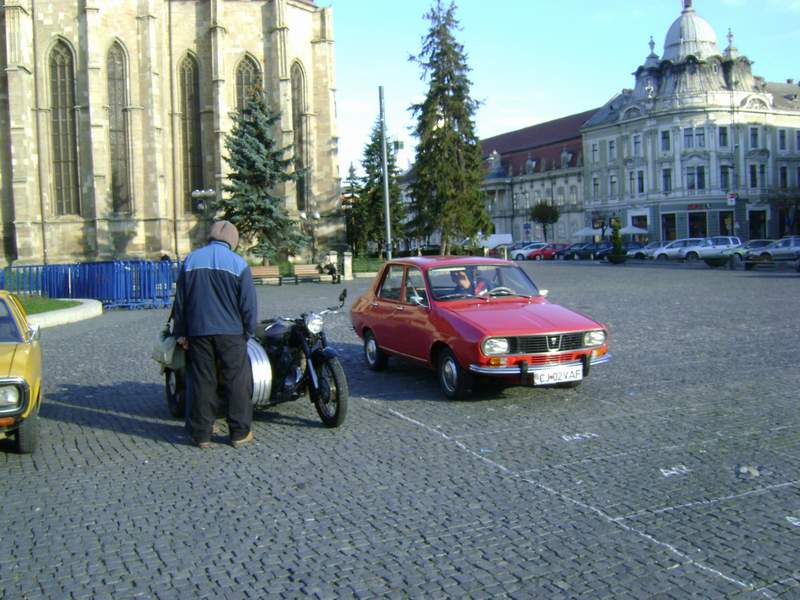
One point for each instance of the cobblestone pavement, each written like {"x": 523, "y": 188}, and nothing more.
{"x": 672, "y": 472}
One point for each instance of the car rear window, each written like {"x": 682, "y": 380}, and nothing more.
{"x": 9, "y": 332}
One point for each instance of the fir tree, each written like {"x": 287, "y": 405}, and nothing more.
{"x": 372, "y": 209}
{"x": 449, "y": 165}
{"x": 353, "y": 220}
{"x": 257, "y": 167}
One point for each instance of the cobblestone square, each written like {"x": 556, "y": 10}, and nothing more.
{"x": 672, "y": 472}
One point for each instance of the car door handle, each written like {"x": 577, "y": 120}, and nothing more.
{"x": 373, "y": 304}
{"x": 398, "y": 307}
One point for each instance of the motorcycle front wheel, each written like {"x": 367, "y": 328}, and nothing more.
{"x": 331, "y": 401}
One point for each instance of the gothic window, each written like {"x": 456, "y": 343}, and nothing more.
{"x": 190, "y": 131}
{"x": 248, "y": 77}
{"x": 118, "y": 130}
{"x": 298, "y": 125}
{"x": 64, "y": 131}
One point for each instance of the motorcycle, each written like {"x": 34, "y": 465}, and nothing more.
{"x": 289, "y": 359}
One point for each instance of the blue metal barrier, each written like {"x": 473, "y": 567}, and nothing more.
{"x": 117, "y": 284}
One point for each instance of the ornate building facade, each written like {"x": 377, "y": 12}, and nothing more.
{"x": 112, "y": 112}
{"x": 700, "y": 146}
{"x": 542, "y": 163}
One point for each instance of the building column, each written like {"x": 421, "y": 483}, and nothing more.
{"x": 219, "y": 106}
{"x": 21, "y": 203}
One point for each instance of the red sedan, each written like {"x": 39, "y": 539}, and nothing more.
{"x": 547, "y": 252}
{"x": 468, "y": 317}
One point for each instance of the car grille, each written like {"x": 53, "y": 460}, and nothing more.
{"x": 537, "y": 344}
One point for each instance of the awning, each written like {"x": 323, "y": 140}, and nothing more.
{"x": 633, "y": 230}
{"x": 586, "y": 231}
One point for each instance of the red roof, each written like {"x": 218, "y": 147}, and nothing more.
{"x": 535, "y": 136}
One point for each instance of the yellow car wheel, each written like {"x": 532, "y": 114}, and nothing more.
{"x": 28, "y": 434}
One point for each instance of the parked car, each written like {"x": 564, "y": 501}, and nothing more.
{"x": 590, "y": 251}
{"x": 475, "y": 317}
{"x": 786, "y": 249}
{"x": 672, "y": 250}
{"x": 547, "y": 252}
{"x": 710, "y": 247}
{"x": 20, "y": 375}
{"x": 646, "y": 251}
{"x": 738, "y": 252}
{"x": 603, "y": 253}
{"x": 569, "y": 252}
{"x": 522, "y": 253}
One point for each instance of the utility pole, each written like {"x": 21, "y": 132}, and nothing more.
{"x": 387, "y": 214}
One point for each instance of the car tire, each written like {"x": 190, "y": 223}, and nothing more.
{"x": 738, "y": 260}
{"x": 27, "y": 434}
{"x": 692, "y": 256}
{"x": 175, "y": 393}
{"x": 576, "y": 257}
{"x": 663, "y": 257}
{"x": 538, "y": 257}
{"x": 518, "y": 257}
{"x": 375, "y": 358}
{"x": 638, "y": 255}
{"x": 454, "y": 381}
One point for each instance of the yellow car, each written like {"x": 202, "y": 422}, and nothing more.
{"x": 20, "y": 375}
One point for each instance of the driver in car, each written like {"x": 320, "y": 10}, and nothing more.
{"x": 464, "y": 285}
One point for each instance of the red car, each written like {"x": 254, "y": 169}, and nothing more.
{"x": 546, "y": 252}
{"x": 470, "y": 317}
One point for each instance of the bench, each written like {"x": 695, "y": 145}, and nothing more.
{"x": 306, "y": 273}
{"x": 262, "y": 274}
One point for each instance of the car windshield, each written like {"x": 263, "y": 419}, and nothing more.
{"x": 465, "y": 281}
{"x": 9, "y": 332}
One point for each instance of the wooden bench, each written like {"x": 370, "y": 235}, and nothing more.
{"x": 263, "y": 274}
{"x": 307, "y": 273}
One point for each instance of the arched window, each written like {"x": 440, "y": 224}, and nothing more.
{"x": 64, "y": 131}
{"x": 248, "y": 77}
{"x": 190, "y": 131}
{"x": 118, "y": 130}
{"x": 298, "y": 125}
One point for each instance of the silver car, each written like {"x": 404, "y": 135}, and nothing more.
{"x": 648, "y": 251}
{"x": 672, "y": 251}
{"x": 783, "y": 250}
{"x": 713, "y": 246}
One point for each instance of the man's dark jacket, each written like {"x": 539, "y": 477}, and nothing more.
{"x": 215, "y": 294}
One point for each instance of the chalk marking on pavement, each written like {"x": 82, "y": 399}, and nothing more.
{"x": 676, "y": 470}
{"x": 584, "y": 505}
{"x": 578, "y": 437}
{"x": 649, "y": 511}
{"x": 794, "y": 521}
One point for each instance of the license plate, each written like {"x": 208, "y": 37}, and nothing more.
{"x": 559, "y": 374}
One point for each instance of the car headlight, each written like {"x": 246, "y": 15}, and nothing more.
{"x": 493, "y": 346}
{"x": 9, "y": 396}
{"x": 314, "y": 323}
{"x": 594, "y": 338}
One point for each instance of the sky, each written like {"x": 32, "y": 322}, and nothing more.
{"x": 531, "y": 60}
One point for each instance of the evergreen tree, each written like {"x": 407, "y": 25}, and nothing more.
{"x": 373, "y": 209}
{"x": 449, "y": 165}
{"x": 545, "y": 214}
{"x": 257, "y": 168}
{"x": 355, "y": 235}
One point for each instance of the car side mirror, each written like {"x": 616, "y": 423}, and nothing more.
{"x": 543, "y": 293}
{"x": 419, "y": 301}
{"x": 34, "y": 332}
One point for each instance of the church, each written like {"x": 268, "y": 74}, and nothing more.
{"x": 113, "y": 116}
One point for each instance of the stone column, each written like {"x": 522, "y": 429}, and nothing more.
{"x": 21, "y": 201}
{"x": 347, "y": 270}
{"x": 281, "y": 94}
{"x": 219, "y": 106}
{"x": 151, "y": 204}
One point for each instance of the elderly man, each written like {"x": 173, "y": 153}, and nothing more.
{"x": 214, "y": 314}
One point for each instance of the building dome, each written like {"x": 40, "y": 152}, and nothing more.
{"x": 690, "y": 35}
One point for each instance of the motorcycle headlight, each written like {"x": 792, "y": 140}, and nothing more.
{"x": 314, "y": 323}
{"x": 9, "y": 396}
{"x": 493, "y": 346}
{"x": 594, "y": 338}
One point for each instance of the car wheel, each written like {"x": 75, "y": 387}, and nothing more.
{"x": 518, "y": 257}
{"x": 638, "y": 255}
{"x": 663, "y": 257}
{"x": 175, "y": 393}
{"x": 538, "y": 257}
{"x": 375, "y": 358}
{"x": 692, "y": 256}
{"x": 27, "y": 435}
{"x": 576, "y": 257}
{"x": 454, "y": 381}
{"x": 737, "y": 260}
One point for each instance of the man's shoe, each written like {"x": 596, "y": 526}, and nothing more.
{"x": 202, "y": 444}
{"x": 242, "y": 441}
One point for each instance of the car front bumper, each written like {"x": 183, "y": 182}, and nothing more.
{"x": 528, "y": 369}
